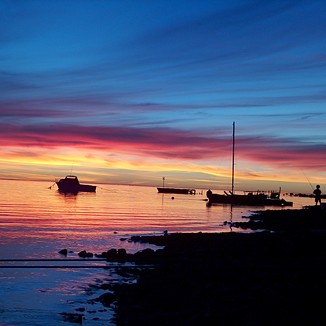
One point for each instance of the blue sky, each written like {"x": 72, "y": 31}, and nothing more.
{"x": 130, "y": 91}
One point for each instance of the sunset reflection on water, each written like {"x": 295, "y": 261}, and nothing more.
{"x": 32, "y": 215}
{"x": 37, "y": 222}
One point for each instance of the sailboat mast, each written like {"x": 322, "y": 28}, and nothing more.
{"x": 233, "y": 141}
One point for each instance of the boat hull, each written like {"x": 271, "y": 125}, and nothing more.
{"x": 75, "y": 189}
{"x": 184, "y": 191}
{"x": 247, "y": 200}
{"x": 71, "y": 185}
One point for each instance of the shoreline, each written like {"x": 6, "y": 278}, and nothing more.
{"x": 275, "y": 276}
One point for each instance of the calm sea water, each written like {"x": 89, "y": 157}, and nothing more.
{"x": 36, "y": 222}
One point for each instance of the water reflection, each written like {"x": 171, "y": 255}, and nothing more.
{"x": 75, "y": 194}
{"x": 231, "y": 218}
{"x": 168, "y": 197}
{"x": 66, "y": 197}
{"x": 38, "y": 212}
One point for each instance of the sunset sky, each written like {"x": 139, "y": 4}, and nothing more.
{"x": 126, "y": 92}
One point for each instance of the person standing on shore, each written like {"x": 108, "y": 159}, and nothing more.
{"x": 317, "y": 193}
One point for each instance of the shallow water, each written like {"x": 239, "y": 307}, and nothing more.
{"x": 37, "y": 222}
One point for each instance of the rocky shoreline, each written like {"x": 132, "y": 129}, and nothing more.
{"x": 262, "y": 278}
{"x": 275, "y": 276}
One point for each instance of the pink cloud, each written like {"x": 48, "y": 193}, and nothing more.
{"x": 166, "y": 144}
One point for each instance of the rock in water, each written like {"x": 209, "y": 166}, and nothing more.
{"x": 63, "y": 252}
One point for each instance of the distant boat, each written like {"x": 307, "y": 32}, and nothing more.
{"x": 249, "y": 198}
{"x": 184, "y": 191}
{"x": 169, "y": 190}
{"x": 70, "y": 184}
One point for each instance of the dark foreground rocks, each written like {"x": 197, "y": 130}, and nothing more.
{"x": 264, "y": 278}
{"x": 309, "y": 218}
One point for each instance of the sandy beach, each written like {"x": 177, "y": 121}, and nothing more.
{"x": 272, "y": 277}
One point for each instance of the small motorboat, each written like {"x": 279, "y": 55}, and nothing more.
{"x": 70, "y": 184}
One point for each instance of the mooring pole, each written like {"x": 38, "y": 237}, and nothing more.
{"x": 233, "y": 141}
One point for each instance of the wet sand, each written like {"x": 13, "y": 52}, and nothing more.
{"x": 266, "y": 278}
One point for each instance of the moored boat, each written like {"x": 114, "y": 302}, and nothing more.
{"x": 248, "y": 199}
{"x": 258, "y": 198}
{"x": 185, "y": 191}
{"x": 70, "y": 184}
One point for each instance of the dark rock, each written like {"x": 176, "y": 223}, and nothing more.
{"x": 106, "y": 286}
{"x": 63, "y": 252}
{"x": 263, "y": 278}
{"x": 126, "y": 273}
{"x": 122, "y": 252}
{"x": 85, "y": 254}
{"x": 102, "y": 255}
{"x": 309, "y": 218}
{"x": 111, "y": 254}
{"x": 106, "y": 299}
{"x": 122, "y": 255}
{"x": 146, "y": 256}
{"x": 82, "y": 253}
{"x": 115, "y": 255}
{"x": 72, "y": 318}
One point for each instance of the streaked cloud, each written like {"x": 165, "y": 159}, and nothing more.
{"x": 155, "y": 86}
{"x": 164, "y": 144}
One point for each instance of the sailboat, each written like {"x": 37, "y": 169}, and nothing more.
{"x": 249, "y": 198}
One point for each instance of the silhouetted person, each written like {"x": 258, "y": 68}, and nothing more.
{"x": 317, "y": 193}
{"x": 209, "y": 193}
